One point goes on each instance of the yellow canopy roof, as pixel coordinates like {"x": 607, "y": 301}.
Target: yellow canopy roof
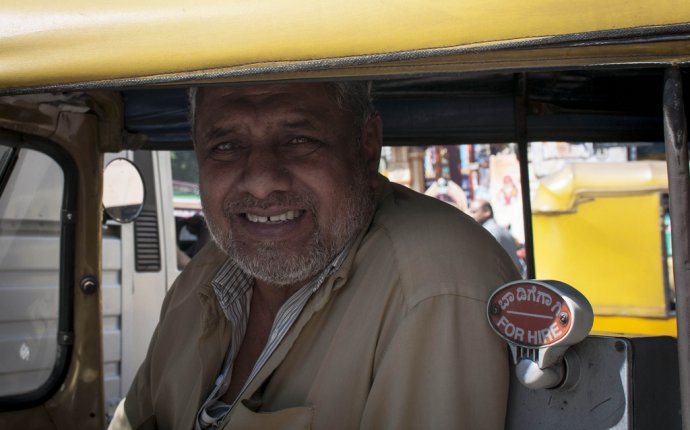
{"x": 58, "y": 43}
{"x": 576, "y": 182}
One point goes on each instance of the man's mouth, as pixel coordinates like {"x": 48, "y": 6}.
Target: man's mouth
{"x": 274, "y": 219}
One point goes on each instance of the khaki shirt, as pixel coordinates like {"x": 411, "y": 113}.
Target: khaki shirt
{"x": 397, "y": 338}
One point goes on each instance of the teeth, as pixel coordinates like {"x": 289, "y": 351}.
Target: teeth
{"x": 286, "y": 216}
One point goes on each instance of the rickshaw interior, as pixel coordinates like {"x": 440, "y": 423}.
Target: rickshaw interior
{"x": 457, "y": 123}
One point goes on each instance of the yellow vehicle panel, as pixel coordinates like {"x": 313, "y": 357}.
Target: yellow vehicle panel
{"x": 621, "y": 324}
{"x": 603, "y": 235}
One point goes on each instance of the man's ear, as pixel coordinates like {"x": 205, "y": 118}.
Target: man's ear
{"x": 372, "y": 140}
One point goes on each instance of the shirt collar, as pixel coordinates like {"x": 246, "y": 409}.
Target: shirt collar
{"x": 231, "y": 282}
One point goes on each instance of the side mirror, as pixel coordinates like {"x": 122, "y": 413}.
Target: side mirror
{"x": 123, "y": 190}
{"x": 540, "y": 320}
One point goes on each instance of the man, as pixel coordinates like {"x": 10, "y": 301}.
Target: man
{"x": 330, "y": 298}
{"x": 483, "y": 213}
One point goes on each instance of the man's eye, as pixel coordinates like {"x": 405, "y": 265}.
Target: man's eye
{"x": 300, "y": 146}
{"x": 227, "y": 151}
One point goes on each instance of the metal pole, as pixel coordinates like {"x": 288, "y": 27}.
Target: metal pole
{"x": 676, "y": 137}
{"x": 520, "y": 115}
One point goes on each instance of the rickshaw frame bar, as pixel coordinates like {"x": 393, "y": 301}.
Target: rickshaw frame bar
{"x": 676, "y": 139}
{"x": 520, "y": 113}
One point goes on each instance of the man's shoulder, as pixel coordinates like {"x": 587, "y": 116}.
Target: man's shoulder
{"x": 436, "y": 248}
{"x": 412, "y": 216}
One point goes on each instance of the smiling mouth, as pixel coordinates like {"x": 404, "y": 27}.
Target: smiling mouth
{"x": 274, "y": 219}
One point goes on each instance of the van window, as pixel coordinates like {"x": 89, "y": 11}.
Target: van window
{"x": 594, "y": 227}
{"x": 30, "y": 231}
{"x": 5, "y": 155}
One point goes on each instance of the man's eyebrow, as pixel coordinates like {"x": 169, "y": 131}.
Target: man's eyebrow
{"x": 298, "y": 123}
{"x": 219, "y": 131}
{"x": 288, "y": 124}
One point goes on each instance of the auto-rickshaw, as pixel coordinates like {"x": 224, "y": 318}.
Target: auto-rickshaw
{"x": 588, "y": 217}
{"x": 81, "y": 81}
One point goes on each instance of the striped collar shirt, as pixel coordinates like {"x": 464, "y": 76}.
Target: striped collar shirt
{"x": 233, "y": 289}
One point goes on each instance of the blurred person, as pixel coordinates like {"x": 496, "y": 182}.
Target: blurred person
{"x": 449, "y": 192}
{"x": 483, "y": 213}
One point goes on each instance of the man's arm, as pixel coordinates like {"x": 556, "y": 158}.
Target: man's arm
{"x": 443, "y": 368}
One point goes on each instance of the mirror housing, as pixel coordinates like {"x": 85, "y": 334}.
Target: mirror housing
{"x": 123, "y": 190}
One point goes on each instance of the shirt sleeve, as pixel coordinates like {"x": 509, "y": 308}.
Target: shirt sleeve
{"x": 443, "y": 368}
{"x": 120, "y": 420}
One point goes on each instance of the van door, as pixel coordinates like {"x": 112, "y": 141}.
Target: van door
{"x": 51, "y": 351}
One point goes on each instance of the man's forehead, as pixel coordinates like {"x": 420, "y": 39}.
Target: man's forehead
{"x": 236, "y": 109}
{"x": 259, "y": 93}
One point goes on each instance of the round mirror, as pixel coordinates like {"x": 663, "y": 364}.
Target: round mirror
{"x": 123, "y": 190}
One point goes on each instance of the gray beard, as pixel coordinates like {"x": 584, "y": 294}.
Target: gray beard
{"x": 269, "y": 261}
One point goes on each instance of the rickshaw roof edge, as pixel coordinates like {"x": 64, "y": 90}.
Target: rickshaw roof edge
{"x": 45, "y": 45}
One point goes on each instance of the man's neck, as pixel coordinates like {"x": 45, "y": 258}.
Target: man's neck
{"x": 272, "y": 297}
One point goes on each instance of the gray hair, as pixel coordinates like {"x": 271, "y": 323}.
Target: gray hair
{"x": 351, "y": 96}
{"x": 355, "y": 97}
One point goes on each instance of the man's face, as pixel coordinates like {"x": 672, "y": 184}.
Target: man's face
{"x": 286, "y": 177}
{"x": 478, "y": 212}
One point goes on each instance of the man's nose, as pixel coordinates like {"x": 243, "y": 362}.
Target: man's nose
{"x": 264, "y": 173}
